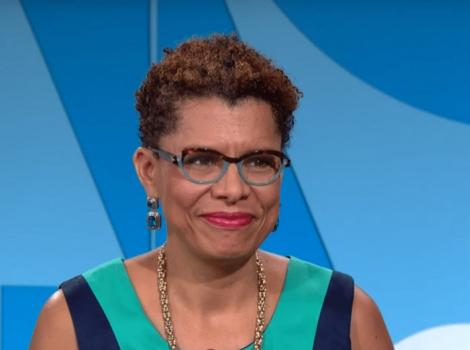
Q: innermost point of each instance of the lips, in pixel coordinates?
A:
(232, 220)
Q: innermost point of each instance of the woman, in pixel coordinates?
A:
(215, 117)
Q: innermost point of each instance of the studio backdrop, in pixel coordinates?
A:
(380, 182)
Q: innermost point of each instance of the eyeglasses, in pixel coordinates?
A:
(206, 166)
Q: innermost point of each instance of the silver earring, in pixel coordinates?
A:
(154, 219)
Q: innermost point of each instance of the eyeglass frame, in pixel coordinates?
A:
(178, 161)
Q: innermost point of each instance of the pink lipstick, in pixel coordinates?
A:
(228, 220)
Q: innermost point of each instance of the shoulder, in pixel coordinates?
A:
(54, 327)
(368, 330)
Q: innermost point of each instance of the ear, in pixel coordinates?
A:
(146, 167)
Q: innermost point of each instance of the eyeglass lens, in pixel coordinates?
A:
(206, 166)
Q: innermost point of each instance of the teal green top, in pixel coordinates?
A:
(294, 321)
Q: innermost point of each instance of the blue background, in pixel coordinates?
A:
(381, 149)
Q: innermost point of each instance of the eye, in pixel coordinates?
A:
(262, 162)
(201, 159)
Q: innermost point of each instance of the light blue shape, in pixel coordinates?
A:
(53, 224)
(388, 183)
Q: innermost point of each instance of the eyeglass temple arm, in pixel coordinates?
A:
(165, 155)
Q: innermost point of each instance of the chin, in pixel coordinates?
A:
(217, 244)
(227, 252)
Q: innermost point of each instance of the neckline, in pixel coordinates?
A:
(162, 339)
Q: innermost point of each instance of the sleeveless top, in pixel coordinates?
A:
(313, 311)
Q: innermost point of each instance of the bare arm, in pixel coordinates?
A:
(368, 330)
(54, 327)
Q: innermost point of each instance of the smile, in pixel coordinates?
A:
(228, 220)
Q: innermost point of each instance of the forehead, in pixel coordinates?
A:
(232, 128)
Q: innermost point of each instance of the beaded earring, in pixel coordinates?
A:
(154, 220)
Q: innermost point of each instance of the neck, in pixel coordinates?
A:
(210, 286)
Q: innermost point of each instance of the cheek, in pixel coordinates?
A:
(179, 200)
(269, 199)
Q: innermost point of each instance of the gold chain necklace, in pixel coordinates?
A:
(164, 303)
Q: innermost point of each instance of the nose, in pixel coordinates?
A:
(231, 186)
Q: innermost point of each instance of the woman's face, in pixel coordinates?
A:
(227, 219)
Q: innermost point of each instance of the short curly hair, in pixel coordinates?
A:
(222, 66)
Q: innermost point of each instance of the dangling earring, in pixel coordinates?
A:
(154, 220)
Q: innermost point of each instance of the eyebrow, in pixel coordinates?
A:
(200, 147)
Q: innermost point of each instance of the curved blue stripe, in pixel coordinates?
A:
(97, 54)
(49, 202)
(415, 53)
